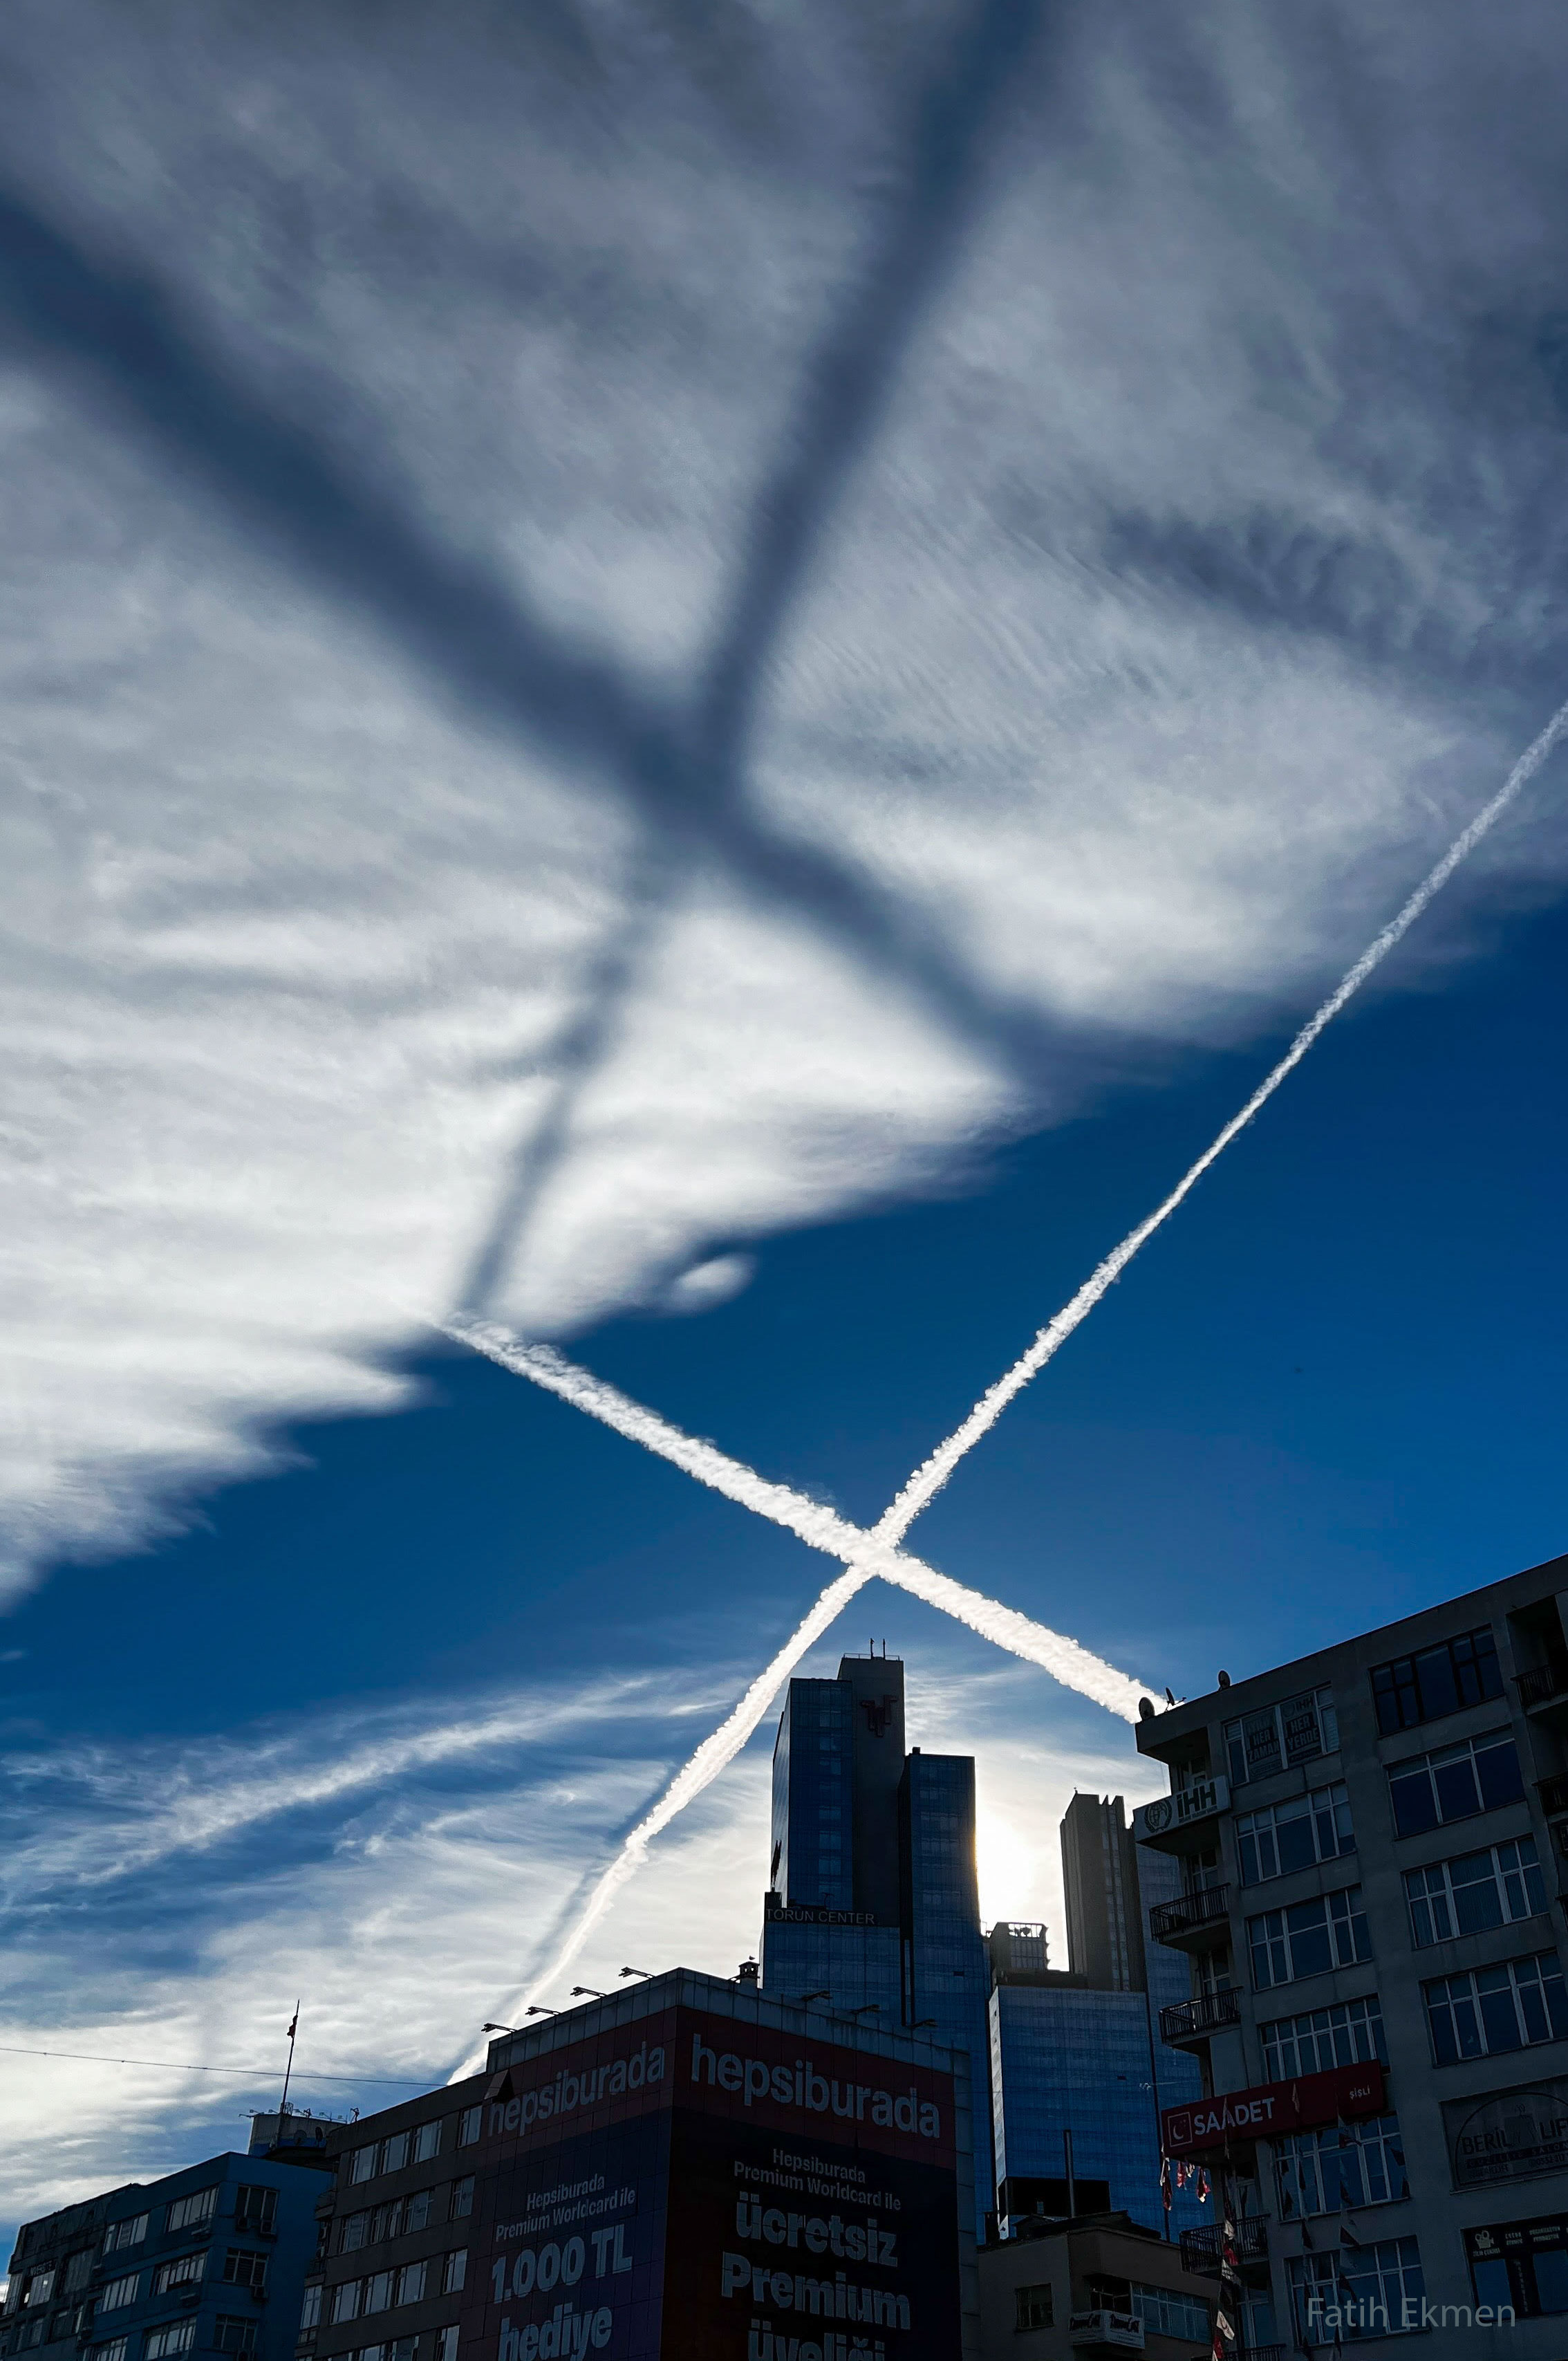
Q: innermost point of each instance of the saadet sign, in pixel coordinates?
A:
(1269, 2110)
(707, 2187)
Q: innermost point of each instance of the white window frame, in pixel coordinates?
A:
(1339, 1924)
(1352, 2031)
(1261, 1829)
(1284, 1756)
(128, 2233)
(1341, 2169)
(119, 2292)
(1430, 1894)
(426, 2141)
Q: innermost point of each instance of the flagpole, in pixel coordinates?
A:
(283, 2104)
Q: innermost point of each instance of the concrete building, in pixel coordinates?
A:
(1098, 2284)
(1371, 1842)
(687, 2167)
(874, 1901)
(211, 2259)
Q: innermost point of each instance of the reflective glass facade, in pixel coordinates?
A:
(949, 1967)
(1068, 2059)
(814, 1813)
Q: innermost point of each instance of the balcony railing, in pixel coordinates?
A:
(1542, 1683)
(1170, 1922)
(1553, 1794)
(1201, 2249)
(1191, 2020)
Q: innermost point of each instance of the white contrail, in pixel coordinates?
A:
(930, 1478)
(876, 1552)
(864, 1554)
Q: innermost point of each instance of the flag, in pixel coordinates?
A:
(1165, 2181)
(293, 2021)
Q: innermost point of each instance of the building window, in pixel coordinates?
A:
(354, 2226)
(1475, 1892)
(77, 2272)
(1521, 2267)
(178, 2337)
(455, 2271)
(186, 2213)
(1166, 2313)
(1489, 2010)
(346, 2302)
(469, 2124)
(410, 2283)
(1454, 1784)
(1360, 2291)
(417, 2210)
(446, 2345)
(1295, 1834)
(462, 2198)
(183, 2271)
(236, 2334)
(395, 2152)
(1346, 2033)
(362, 2164)
(38, 2287)
(1278, 1735)
(1308, 1938)
(125, 2234)
(119, 2292)
(310, 2309)
(114, 2350)
(255, 2210)
(1344, 2165)
(426, 2141)
(1435, 1681)
(1031, 2308)
(378, 2296)
(243, 2268)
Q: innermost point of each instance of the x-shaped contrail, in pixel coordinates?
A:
(866, 1551)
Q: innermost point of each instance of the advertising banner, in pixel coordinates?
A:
(1518, 2134)
(1269, 2110)
(713, 2190)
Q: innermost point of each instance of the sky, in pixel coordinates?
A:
(715, 688)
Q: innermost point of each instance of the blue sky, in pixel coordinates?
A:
(640, 662)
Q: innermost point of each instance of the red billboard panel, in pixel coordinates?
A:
(715, 2190)
(1271, 2109)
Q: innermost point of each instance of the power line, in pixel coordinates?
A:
(176, 2066)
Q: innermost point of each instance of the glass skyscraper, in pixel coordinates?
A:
(874, 1903)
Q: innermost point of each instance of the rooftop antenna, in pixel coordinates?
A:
(283, 2102)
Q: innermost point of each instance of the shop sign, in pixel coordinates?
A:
(1270, 2110)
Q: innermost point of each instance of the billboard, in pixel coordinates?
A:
(715, 2189)
(1520, 2134)
(1342, 2093)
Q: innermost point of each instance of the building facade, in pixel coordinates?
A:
(1371, 1848)
(209, 2260)
(685, 2168)
(873, 1899)
(1101, 2284)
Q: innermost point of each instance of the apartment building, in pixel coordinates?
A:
(208, 2260)
(1372, 1844)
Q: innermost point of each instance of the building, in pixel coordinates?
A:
(1097, 2284)
(687, 2168)
(211, 2259)
(873, 1900)
(1079, 2071)
(1371, 1844)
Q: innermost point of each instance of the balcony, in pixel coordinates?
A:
(1201, 1919)
(1544, 1685)
(1553, 1794)
(1105, 2331)
(1195, 2020)
(1201, 2249)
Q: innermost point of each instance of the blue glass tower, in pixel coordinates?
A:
(874, 1903)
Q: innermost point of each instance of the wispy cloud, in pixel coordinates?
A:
(1163, 573)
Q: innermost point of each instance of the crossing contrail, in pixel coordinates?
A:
(862, 1553)
(866, 1554)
